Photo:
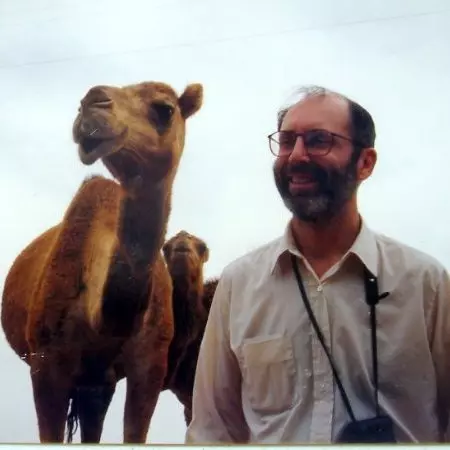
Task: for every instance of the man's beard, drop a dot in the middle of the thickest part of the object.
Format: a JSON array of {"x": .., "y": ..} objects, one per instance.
[{"x": 333, "y": 189}]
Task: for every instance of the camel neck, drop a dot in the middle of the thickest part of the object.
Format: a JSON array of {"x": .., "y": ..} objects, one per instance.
[
  {"x": 142, "y": 225},
  {"x": 188, "y": 287}
]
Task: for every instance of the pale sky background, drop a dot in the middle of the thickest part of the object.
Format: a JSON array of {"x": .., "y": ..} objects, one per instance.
[{"x": 391, "y": 55}]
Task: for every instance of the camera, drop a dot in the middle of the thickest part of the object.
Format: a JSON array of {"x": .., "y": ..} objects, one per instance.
[{"x": 378, "y": 429}]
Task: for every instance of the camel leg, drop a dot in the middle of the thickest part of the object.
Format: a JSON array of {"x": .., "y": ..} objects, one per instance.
[
  {"x": 93, "y": 403},
  {"x": 51, "y": 399},
  {"x": 187, "y": 415},
  {"x": 142, "y": 395},
  {"x": 186, "y": 400}
]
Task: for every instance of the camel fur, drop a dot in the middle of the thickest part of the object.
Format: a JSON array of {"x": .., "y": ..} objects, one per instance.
[
  {"x": 89, "y": 301},
  {"x": 185, "y": 255}
]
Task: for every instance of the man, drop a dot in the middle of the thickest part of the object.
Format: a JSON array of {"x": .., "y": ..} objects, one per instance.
[{"x": 263, "y": 376}]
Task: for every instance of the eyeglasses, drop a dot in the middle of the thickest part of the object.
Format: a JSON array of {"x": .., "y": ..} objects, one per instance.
[{"x": 316, "y": 142}]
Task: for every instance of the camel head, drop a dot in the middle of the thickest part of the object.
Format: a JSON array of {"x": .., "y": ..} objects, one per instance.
[
  {"x": 186, "y": 254},
  {"x": 138, "y": 131}
]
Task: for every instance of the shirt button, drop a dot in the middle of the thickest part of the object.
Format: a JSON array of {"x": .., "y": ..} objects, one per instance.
[{"x": 319, "y": 288}]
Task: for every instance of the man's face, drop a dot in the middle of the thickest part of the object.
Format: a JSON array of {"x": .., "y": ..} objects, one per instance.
[{"x": 316, "y": 188}]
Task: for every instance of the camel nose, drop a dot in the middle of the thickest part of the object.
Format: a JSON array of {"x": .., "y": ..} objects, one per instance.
[{"x": 98, "y": 97}]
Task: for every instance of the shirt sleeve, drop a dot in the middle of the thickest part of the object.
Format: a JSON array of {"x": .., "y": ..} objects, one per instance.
[
  {"x": 217, "y": 414},
  {"x": 440, "y": 348}
]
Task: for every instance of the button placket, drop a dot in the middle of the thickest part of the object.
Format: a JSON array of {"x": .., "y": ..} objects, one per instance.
[{"x": 323, "y": 379}]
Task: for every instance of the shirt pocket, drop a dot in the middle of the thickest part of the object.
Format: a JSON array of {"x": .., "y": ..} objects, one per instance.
[{"x": 269, "y": 373}]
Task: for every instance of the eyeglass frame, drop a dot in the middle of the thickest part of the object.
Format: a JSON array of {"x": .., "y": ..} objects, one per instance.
[{"x": 322, "y": 153}]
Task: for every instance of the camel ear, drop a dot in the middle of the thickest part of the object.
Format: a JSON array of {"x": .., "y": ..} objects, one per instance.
[
  {"x": 191, "y": 100},
  {"x": 165, "y": 250}
]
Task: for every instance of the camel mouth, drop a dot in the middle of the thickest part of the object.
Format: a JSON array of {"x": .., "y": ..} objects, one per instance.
[
  {"x": 180, "y": 255},
  {"x": 89, "y": 144},
  {"x": 90, "y": 149}
]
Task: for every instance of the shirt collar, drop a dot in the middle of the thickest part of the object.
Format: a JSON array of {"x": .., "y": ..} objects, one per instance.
[
  {"x": 364, "y": 247},
  {"x": 285, "y": 245}
]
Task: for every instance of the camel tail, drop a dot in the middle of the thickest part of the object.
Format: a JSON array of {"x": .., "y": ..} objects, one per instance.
[{"x": 72, "y": 417}]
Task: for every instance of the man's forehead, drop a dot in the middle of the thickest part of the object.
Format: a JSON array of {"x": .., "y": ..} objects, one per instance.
[{"x": 318, "y": 110}]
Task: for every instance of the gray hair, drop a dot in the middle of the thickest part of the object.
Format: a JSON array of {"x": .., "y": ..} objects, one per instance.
[{"x": 362, "y": 126}]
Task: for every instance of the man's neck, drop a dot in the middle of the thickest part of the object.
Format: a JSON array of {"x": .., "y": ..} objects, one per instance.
[{"x": 329, "y": 240}]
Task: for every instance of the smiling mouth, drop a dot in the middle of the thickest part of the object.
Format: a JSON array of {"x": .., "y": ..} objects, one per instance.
[{"x": 301, "y": 179}]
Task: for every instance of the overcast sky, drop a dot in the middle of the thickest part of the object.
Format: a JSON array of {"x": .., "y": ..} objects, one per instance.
[{"x": 390, "y": 55}]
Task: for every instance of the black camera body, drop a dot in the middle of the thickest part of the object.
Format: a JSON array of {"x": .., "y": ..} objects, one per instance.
[{"x": 378, "y": 429}]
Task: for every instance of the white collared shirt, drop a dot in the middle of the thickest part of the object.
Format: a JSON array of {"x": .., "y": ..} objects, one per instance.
[{"x": 263, "y": 376}]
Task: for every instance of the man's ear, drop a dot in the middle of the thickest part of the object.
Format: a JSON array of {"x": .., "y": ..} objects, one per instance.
[
  {"x": 366, "y": 163},
  {"x": 191, "y": 100}
]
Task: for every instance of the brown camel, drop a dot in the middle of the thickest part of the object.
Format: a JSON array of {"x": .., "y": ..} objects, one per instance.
[
  {"x": 89, "y": 301},
  {"x": 185, "y": 256},
  {"x": 184, "y": 381}
]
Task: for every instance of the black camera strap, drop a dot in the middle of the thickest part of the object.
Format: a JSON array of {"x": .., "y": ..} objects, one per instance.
[{"x": 372, "y": 298}]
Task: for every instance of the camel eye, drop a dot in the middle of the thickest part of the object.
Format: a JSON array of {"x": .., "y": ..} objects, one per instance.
[
  {"x": 201, "y": 248},
  {"x": 161, "y": 114}
]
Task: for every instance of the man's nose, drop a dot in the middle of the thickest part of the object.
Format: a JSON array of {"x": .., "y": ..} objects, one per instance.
[{"x": 299, "y": 152}]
